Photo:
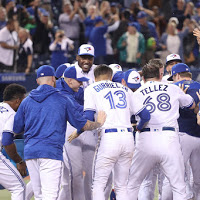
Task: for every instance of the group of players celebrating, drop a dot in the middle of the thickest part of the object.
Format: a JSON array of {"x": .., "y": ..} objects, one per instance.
[{"x": 89, "y": 128}]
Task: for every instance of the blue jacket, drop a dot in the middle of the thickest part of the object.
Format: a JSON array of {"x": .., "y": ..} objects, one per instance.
[
  {"x": 98, "y": 40},
  {"x": 188, "y": 120},
  {"x": 68, "y": 92},
  {"x": 43, "y": 116}
]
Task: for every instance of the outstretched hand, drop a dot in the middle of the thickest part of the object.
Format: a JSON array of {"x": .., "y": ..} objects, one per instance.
[
  {"x": 182, "y": 88},
  {"x": 73, "y": 136}
]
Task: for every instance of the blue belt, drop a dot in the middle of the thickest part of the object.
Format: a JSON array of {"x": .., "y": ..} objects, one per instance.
[
  {"x": 114, "y": 130},
  {"x": 163, "y": 129}
]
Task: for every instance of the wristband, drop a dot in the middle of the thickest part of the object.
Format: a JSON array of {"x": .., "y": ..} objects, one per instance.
[{"x": 20, "y": 162}]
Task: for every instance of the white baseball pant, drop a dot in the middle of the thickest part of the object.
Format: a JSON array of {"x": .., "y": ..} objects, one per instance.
[
  {"x": 114, "y": 152},
  {"x": 11, "y": 179},
  {"x": 191, "y": 150},
  {"x": 155, "y": 147},
  {"x": 45, "y": 175}
]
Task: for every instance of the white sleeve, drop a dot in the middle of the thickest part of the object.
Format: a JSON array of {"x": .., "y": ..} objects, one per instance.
[
  {"x": 89, "y": 104},
  {"x": 9, "y": 124},
  {"x": 52, "y": 46},
  {"x": 3, "y": 37},
  {"x": 136, "y": 104},
  {"x": 113, "y": 27},
  {"x": 185, "y": 100}
]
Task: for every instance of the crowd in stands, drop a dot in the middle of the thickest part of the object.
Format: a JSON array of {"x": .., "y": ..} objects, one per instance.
[{"x": 128, "y": 32}]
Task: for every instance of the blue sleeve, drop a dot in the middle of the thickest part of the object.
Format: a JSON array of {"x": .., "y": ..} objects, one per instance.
[
  {"x": 75, "y": 118},
  {"x": 89, "y": 114},
  {"x": 7, "y": 138},
  {"x": 79, "y": 96},
  {"x": 144, "y": 117},
  {"x": 19, "y": 123}
]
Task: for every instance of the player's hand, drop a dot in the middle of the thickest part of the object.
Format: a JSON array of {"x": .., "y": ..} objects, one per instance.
[
  {"x": 198, "y": 94},
  {"x": 73, "y": 136},
  {"x": 22, "y": 168},
  {"x": 101, "y": 117},
  {"x": 182, "y": 88}
]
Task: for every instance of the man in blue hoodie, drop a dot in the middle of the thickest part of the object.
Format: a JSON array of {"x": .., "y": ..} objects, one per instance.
[{"x": 43, "y": 116}]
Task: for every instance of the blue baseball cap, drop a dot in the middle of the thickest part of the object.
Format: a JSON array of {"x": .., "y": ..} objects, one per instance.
[
  {"x": 98, "y": 19},
  {"x": 178, "y": 68},
  {"x": 141, "y": 14},
  {"x": 45, "y": 70},
  {"x": 132, "y": 79},
  {"x": 72, "y": 72},
  {"x": 60, "y": 70},
  {"x": 8, "y": 1}
]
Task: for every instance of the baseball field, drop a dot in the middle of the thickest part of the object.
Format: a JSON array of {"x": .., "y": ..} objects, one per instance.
[{"x": 5, "y": 195}]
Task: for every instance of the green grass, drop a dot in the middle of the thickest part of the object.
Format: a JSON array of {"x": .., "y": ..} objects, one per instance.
[{"x": 5, "y": 194}]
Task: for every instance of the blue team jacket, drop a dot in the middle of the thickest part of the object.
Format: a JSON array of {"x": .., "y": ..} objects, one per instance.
[
  {"x": 43, "y": 116},
  {"x": 188, "y": 121}
]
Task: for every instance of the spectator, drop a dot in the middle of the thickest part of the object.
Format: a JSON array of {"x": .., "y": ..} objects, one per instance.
[
  {"x": 190, "y": 45},
  {"x": 25, "y": 53},
  {"x": 59, "y": 49},
  {"x": 42, "y": 36},
  {"x": 197, "y": 16},
  {"x": 159, "y": 20},
  {"x": 131, "y": 46},
  {"x": 105, "y": 10},
  {"x": 148, "y": 30},
  {"x": 89, "y": 21},
  {"x": 33, "y": 5},
  {"x": 97, "y": 37},
  {"x": 172, "y": 40},
  {"x": 179, "y": 13},
  {"x": 70, "y": 20},
  {"x": 7, "y": 47},
  {"x": 123, "y": 25},
  {"x": 2, "y": 17}
]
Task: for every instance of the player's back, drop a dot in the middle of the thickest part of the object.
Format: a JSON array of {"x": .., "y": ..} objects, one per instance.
[
  {"x": 188, "y": 119},
  {"x": 163, "y": 100},
  {"x": 114, "y": 98}
]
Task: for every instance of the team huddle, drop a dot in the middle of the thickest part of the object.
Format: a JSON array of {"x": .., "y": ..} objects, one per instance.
[{"x": 88, "y": 129}]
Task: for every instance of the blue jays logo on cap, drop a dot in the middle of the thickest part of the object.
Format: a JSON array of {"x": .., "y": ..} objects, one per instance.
[
  {"x": 86, "y": 49},
  {"x": 132, "y": 79},
  {"x": 136, "y": 78}
]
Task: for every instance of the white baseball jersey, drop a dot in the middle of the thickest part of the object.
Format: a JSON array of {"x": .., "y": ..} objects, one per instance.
[
  {"x": 89, "y": 75},
  {"x": 15, "y": 184},
  {"x": 159, "y": 98},
  {"x": 7, "y": 118},
  {"x": 118, "y": 101}
]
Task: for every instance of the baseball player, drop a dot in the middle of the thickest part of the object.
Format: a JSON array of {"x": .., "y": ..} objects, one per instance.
[
  {"x": 116, "y": 144},
  {"x": 117, "y": 72},
  {"x": 42, "y": 116},
  {"x": 83, "y": 147},
  {"x": 10, "y": 177},
  {"x": 148, "y": 185},
  {"x": 60, "y": 70},
  {"x": 171, "y": 60},
  {"x": 189, "y": 131},
  {"x": 158, "y": 142}
]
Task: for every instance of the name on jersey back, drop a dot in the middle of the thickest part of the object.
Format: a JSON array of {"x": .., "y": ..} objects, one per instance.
[
  {"x": 154, "y": 88},
  {"x": 102, "y": 86}
]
